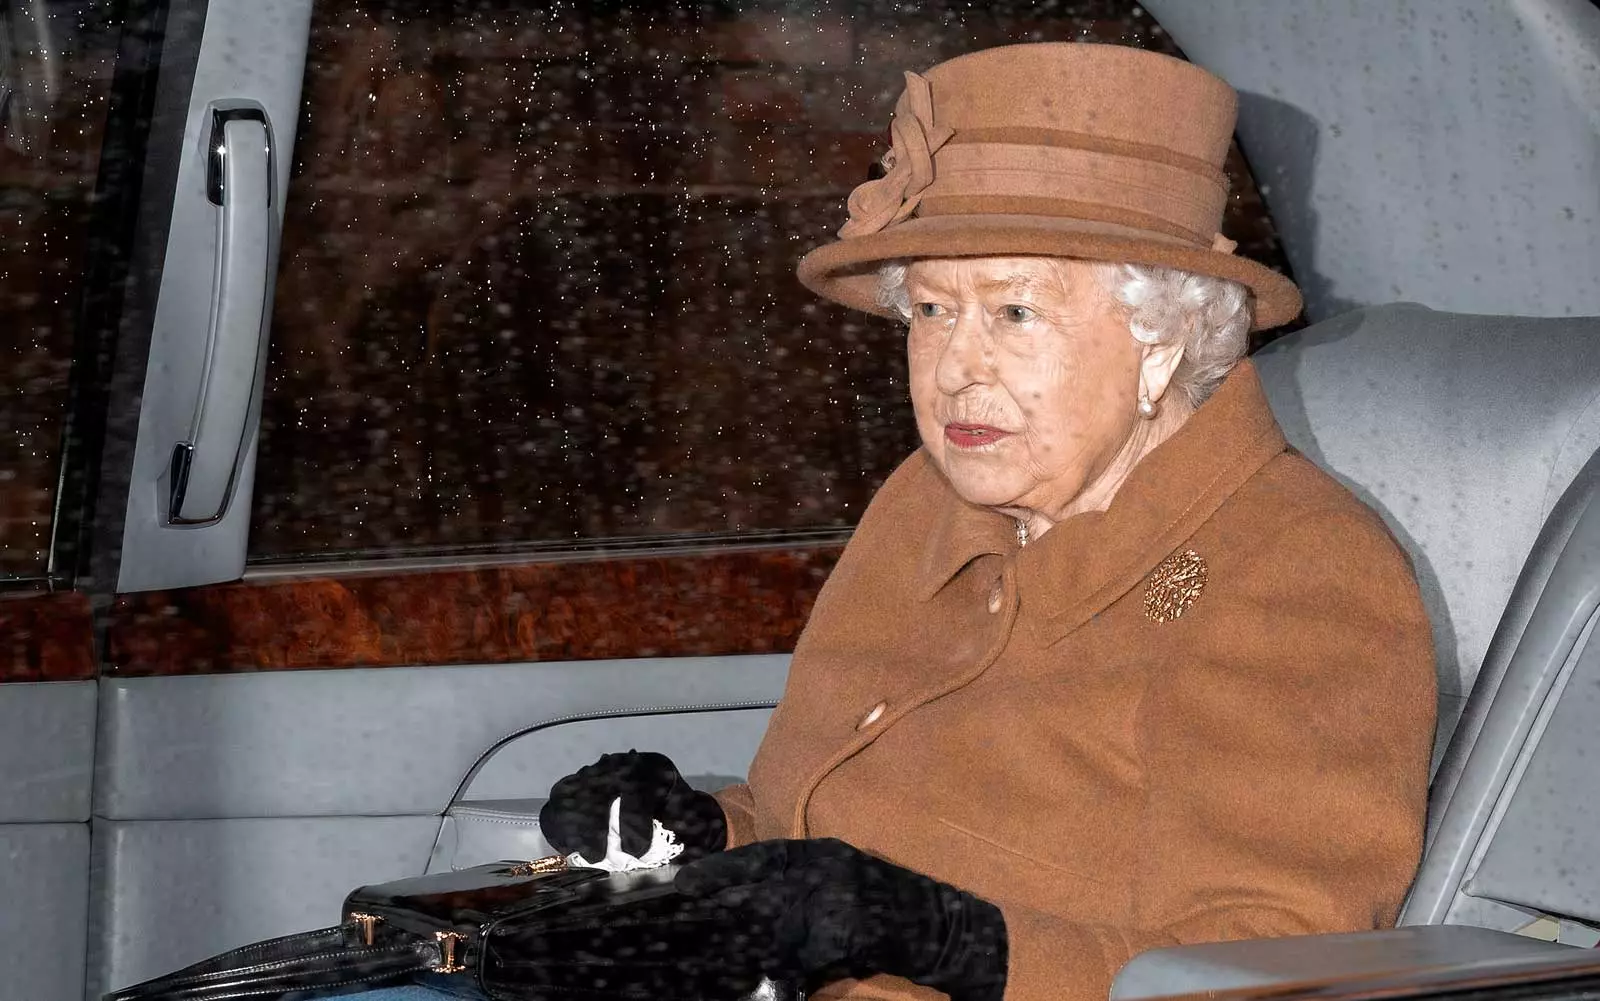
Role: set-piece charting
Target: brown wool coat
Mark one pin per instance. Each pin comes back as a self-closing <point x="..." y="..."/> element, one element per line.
<point x="1256" y="767"/>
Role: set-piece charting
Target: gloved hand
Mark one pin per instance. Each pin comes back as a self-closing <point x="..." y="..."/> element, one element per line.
<point x="579" y="809"/>
<point x="832" y="911"/>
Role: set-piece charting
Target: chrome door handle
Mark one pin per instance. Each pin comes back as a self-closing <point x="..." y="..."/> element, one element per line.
<point x="240" y="177"/>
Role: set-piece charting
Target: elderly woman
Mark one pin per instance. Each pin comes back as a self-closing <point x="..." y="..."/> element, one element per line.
<point x="1106" y="666"/>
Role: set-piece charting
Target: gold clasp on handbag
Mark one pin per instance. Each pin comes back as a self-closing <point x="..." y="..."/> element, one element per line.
<point x="539" y="866"/>
<point x="368" y="923"/>
<point x="448" y="940"/>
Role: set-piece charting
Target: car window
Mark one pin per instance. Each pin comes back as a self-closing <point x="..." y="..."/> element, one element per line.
<point x="537" y="276"/>
<point x="56" y="63"/>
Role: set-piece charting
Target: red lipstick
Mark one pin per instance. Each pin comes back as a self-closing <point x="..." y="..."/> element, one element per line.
<point x="973" y="435"/>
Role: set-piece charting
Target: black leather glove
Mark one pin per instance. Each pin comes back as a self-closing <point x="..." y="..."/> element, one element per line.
<point x="578" y="812"/>
<point x="833" y="911"/>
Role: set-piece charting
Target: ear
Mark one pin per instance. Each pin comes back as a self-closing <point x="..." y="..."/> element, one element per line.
<point x="1156" y="368"/>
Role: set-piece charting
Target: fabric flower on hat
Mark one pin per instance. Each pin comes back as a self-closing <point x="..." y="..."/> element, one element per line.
<point x="908" y="164"/>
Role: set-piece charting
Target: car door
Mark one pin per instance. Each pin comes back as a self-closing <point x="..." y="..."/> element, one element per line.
<point x="443" y="413"/>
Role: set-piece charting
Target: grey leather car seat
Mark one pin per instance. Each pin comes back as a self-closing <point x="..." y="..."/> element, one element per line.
<point x="1476" y="438"/>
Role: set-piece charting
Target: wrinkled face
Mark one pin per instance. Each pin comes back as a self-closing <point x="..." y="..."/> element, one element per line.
<point x="1024" y="378"/>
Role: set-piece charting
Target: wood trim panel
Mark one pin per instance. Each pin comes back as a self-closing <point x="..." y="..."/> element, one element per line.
<point x="728" y="602"/>
<point x="46" y="637"/>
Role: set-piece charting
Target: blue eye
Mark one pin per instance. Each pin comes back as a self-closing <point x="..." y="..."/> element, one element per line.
<point x="1017" y="314"/>
<point x="926" y="310"/>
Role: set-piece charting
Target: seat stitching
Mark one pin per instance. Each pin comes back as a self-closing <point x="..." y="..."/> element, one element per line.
<point x="1572" y="433"/>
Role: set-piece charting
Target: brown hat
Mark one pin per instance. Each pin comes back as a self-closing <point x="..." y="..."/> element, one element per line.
<point x="1062" y="149"/>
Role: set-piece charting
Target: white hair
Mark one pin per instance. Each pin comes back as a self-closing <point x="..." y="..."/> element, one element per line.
<point x="1209" y="316"/>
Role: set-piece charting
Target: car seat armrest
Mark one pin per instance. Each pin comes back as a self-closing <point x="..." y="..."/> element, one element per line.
<point x="1218" y="966"/>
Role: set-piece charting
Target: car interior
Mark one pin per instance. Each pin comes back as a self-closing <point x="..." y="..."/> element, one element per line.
<point x="210" y="732"/>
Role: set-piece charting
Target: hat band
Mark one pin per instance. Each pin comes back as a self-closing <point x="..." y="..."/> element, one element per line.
<point x="1137" y="223"/>
<point x="1079" y="183"/>
<point x="1030" y="135"/>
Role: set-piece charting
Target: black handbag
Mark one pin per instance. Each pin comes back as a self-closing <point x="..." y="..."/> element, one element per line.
<point x="530" y="931"/>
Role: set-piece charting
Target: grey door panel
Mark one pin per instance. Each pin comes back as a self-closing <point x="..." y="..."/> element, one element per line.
<point x="170" y="893"/>
<point x="44" y="901"/>
<point x="46" y="764"/>
<point x="47" y="747"/>
<point x="237" y="807"/>
<point x="368" y="742"/>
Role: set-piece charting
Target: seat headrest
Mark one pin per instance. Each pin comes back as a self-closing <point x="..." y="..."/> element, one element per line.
<point x="1462" y="431"/>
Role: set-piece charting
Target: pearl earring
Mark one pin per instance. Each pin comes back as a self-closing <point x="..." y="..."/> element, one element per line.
<point x="1147" y="410"/>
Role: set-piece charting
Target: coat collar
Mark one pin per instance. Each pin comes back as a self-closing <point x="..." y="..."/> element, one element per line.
<point x="1088" y="561"/>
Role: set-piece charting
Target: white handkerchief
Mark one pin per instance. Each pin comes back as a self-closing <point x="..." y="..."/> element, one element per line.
<point x="663" y="848"/>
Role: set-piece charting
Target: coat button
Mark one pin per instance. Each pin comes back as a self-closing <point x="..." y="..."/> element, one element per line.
<point x="872" y="716"/>
<point x="997" y="596"/>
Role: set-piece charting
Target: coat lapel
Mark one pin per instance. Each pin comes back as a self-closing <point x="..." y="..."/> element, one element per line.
<point x="1086" y="563"/>
<point x="1089" y="561"/>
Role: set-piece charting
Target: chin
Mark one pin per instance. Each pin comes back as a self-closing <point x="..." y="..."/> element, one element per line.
<point x="984" y="487"/>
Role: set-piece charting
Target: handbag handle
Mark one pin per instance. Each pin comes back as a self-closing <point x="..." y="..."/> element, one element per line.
<point x="324" y="962"/>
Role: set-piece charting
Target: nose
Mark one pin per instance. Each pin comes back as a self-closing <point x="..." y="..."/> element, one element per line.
<point x="963" y="362"/>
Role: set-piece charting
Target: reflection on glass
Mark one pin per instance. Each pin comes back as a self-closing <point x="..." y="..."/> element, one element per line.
<point x="537" y="273"/>
<point x="56" y="61"/>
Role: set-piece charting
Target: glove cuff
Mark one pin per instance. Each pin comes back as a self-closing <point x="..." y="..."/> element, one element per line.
<point x="700" y="824"/>
<point x="975" y="958"/>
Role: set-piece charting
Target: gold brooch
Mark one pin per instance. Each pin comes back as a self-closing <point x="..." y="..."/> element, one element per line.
<point x="1174" y="586"/>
